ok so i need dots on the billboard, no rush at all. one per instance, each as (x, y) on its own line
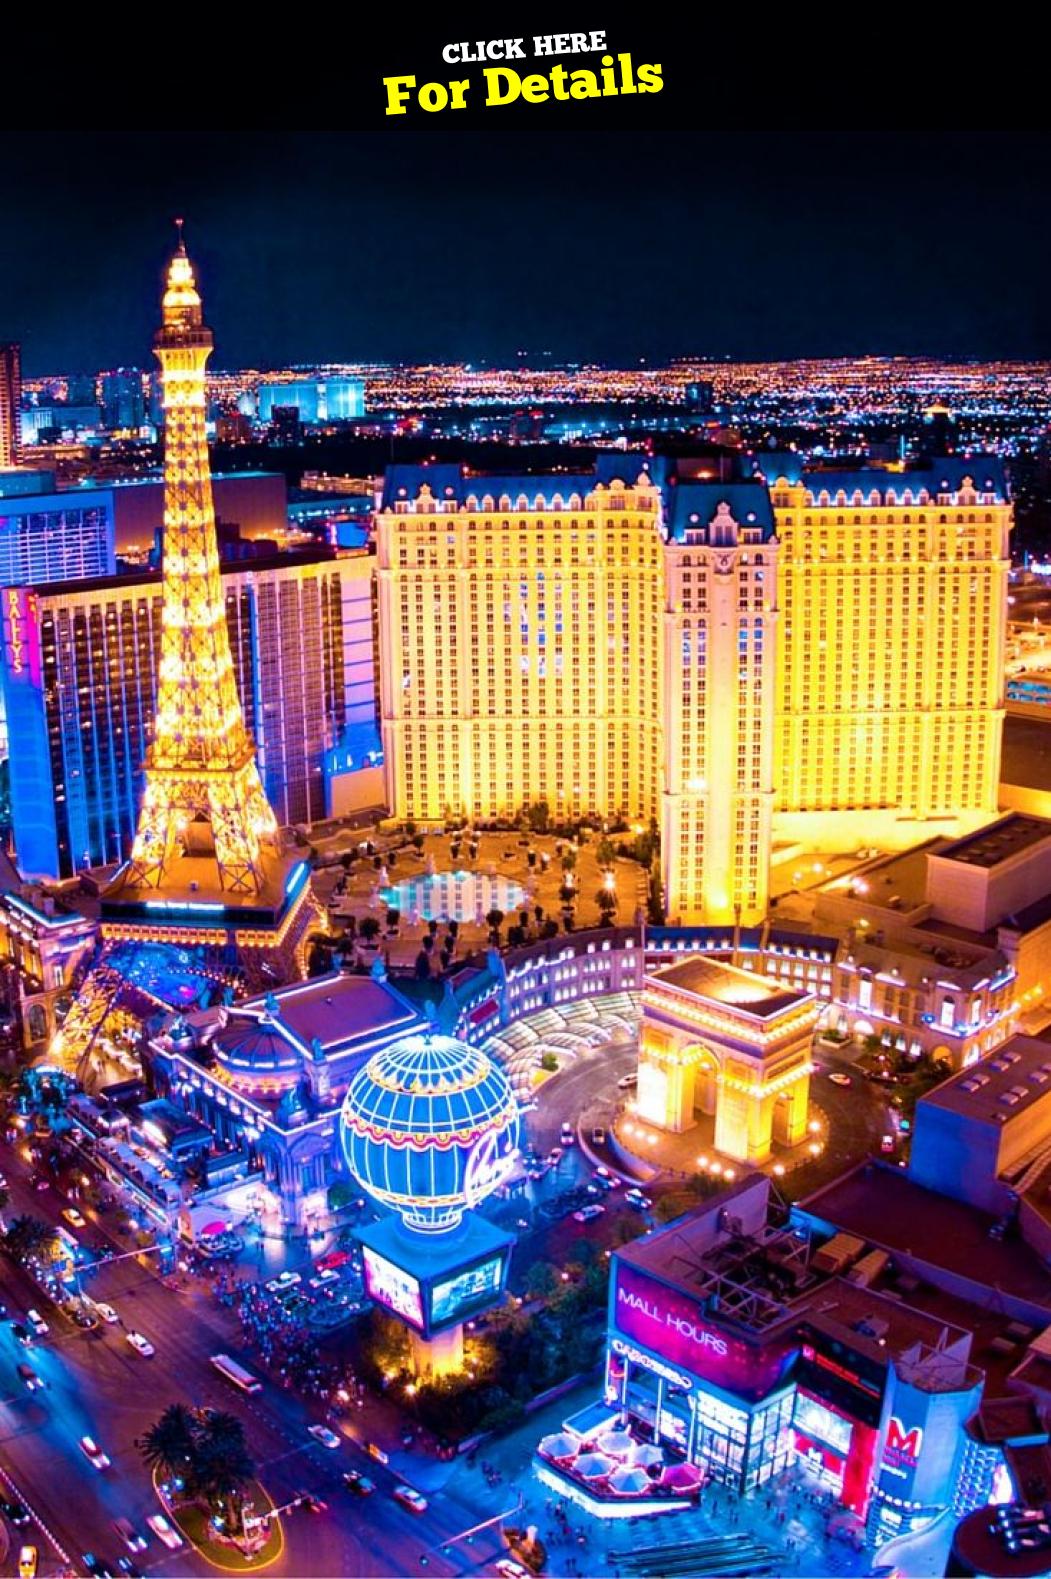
(393, 1288)
(672, 1324)
(468, 1290)
(815, 1419)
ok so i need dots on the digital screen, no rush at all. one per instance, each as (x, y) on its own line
(815, 1420)
(389, 1286)
(669, 1322)
(465, 1289)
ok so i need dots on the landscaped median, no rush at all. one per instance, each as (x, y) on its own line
(197, 1529)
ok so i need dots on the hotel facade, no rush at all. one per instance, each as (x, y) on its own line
(813, 656)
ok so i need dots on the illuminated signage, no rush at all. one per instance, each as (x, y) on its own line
(630, 1352)
(392, 1288)
(486, 1168)
(901, 1451)
(466, 1289)
(670, 1323)
(20, 612)
(817, 1420)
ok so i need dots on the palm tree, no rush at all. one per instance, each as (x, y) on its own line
(225, 1465)
(170, 1446)
(28, 1236)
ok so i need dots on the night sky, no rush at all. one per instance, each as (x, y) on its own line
(414, 243)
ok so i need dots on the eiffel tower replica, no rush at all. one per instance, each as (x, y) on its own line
(207, 870)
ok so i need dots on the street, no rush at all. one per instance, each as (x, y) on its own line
(96, 1384)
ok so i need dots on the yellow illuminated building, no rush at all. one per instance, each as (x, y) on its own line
(520, 629)
(720, 589)
(893, 604)
(809, 656)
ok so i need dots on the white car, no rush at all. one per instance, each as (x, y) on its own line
(839, 1079)
(286, 1280)
(507, 1568)
(107, 1313)
(328, 1276)
(587, 1213)
(37, 1322)
(322, 1434)
(141, 1344)
(627, 1082)
(410, 1498)
(91, 1450)
(164, 1531)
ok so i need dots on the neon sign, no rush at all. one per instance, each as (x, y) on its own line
(486, 1169)
(901, 1451)
(630, 1352)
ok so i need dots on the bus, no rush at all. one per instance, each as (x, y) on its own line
(236, 1373)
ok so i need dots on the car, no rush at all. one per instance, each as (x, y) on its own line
(598, 1135)
(27, 1561)
(164, 1531)
(311, 1502)
(91, 1450)
(15, 1512)
(22, 1333)
(838, 1078)
(83, 1318)
(567, 1135)
(554, 1156)
(641, 1203)
(410, 1498)
(285, 1280)
(507, 1568)
(73, 1216)
(374, 1450)
(322, 1434)
(141, 1344)
(41, 1184)
(587, 1213)
(30, 1377)
(128, 1568)
(97, 1566)
(107, 1313)
(37, 1322)
(129, 1535)
(628, 1082)
(328, 1276)
(360, 1484)
(887, 1143)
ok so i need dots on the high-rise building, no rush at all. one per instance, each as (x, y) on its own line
(520, 641)
(79, 669)
(123, 399)
(315, 399)
(10, 404)
(892, 591)
(720, 590)
(56, 536)
(830, 665)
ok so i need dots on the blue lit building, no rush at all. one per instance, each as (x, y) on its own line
(78, 665)
(50, 536)
(315, 399)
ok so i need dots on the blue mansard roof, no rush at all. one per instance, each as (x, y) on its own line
(693, 504)
(449, 482)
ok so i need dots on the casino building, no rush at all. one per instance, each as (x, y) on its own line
(741, 1344)
(813, 653)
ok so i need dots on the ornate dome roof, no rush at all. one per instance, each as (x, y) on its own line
(255, 1054)
(430, 1126)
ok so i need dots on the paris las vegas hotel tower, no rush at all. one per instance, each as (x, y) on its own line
(798, 657)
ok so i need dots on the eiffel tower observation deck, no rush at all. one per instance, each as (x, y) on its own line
(208, 869)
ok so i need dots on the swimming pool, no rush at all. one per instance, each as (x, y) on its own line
(455, 896)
